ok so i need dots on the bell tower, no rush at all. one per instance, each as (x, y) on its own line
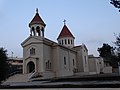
(37, 25)
(65, 37)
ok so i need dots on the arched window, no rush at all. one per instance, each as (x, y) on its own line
(33, 30)
(32, 51)
(71, 42)
(37, 28)
(59, 42)
(73, 62)
(68, 41)
(65, 41)
(62, 42)
(65, 61)
(85, 59)
(42, 29)
(48, 65)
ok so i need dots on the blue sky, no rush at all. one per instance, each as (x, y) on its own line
(92, 22)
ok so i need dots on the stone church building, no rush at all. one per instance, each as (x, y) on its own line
(46, 58)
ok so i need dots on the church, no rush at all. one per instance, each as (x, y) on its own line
(47, 59)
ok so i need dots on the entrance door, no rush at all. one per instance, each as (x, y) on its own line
(30, 67)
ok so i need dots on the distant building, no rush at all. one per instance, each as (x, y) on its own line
(16, 64)
(108, 66)
(97, 65)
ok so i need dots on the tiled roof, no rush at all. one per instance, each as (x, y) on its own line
(37, 20)
(65, 32)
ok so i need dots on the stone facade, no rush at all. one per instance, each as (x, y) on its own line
(53, 58)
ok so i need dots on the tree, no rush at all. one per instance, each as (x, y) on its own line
(3, 64)
(117, 43)
(116, 4)
(107, 53)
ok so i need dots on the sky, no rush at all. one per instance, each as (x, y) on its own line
(92, 22)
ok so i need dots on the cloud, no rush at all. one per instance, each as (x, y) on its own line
(96, 40)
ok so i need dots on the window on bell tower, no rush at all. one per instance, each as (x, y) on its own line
(33, 30)
(38, 30)
(68, 41)
(65, 41)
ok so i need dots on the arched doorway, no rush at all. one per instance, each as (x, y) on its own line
(30, 67)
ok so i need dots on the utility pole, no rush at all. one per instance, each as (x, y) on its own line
(12, 55)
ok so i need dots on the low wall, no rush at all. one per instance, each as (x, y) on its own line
(107, 70)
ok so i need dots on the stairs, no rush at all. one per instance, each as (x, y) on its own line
(17, 78)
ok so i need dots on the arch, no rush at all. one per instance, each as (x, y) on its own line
(42, 31)
(38, 30)
(48, 65)
(33, 30)
(68, 41)
(65, 41)
(30, 67)
(73, 62)
(65, 62)
(71, 42)
(62, 42)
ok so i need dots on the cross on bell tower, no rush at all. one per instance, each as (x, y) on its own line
(65, 37)
(64, 22)
(36, 10)
(37, 25)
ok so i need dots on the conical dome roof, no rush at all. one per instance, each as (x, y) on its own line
(65, 32)
(37, 20)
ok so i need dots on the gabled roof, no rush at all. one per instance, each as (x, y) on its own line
(37, 20)
(65, 32)
(81, 46)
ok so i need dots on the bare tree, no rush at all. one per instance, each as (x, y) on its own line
(116, 3)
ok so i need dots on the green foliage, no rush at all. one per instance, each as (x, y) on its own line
(117, 43)
(3, 64)
(107, 53)
(111, 54)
